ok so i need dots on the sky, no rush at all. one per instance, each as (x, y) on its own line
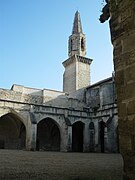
(34, 41)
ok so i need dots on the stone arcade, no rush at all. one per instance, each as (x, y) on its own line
(82, 118)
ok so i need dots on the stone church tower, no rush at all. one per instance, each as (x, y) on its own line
(77, 66)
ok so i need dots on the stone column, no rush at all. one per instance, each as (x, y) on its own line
(106, 139)
(97, 148)
(33, 136)
(86, 139)
(69, 142)
(28, 132)
(28, 141)
(64, 131)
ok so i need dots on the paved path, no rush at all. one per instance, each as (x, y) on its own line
(23, 165)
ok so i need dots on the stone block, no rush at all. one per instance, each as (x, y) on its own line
(131, 107)
(9, 104)
(130, 90)
(1, 103)
(130, 74)
(128, 42)
(122, 109)
(120, 77)
(125, 144)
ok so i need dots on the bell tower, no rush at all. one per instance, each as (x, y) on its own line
(77, 41)
(77, 66)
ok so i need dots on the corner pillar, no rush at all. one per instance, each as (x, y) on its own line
(69, 142)
(86, 141)
(33, 136)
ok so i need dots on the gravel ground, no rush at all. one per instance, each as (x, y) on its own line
(25, 165)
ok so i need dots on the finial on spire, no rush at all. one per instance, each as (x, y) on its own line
(77, 26)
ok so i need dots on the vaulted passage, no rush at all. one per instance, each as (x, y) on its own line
(12, 132)
(48, 135)
(77, 137)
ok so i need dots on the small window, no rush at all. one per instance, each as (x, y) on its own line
(71, 45)
(82, 44)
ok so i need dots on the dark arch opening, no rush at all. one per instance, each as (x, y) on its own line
(77, 137)
(48, 135)
(12, 132)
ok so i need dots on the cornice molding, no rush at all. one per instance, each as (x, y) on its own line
(76, 58)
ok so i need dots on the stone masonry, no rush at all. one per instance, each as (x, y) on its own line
(122, 26)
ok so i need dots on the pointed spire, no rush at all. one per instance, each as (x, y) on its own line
(77, 26)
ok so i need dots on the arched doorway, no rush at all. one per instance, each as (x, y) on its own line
(48, 135)
(12, 132)
(77, 136)
(92, 137)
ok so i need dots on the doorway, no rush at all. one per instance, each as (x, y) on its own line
(77, 136)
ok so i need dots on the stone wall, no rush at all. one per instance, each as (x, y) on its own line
(31, 96)
(82, 70)
(77, 73)
(69, 77)
(101, 93)
(101, 102)
(122, 25)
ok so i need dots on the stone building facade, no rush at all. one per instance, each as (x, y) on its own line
(82, 118)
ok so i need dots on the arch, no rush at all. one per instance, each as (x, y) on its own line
(48, 135)
(92, 136)
(14, 113)
(12, 132)
(77, 136)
